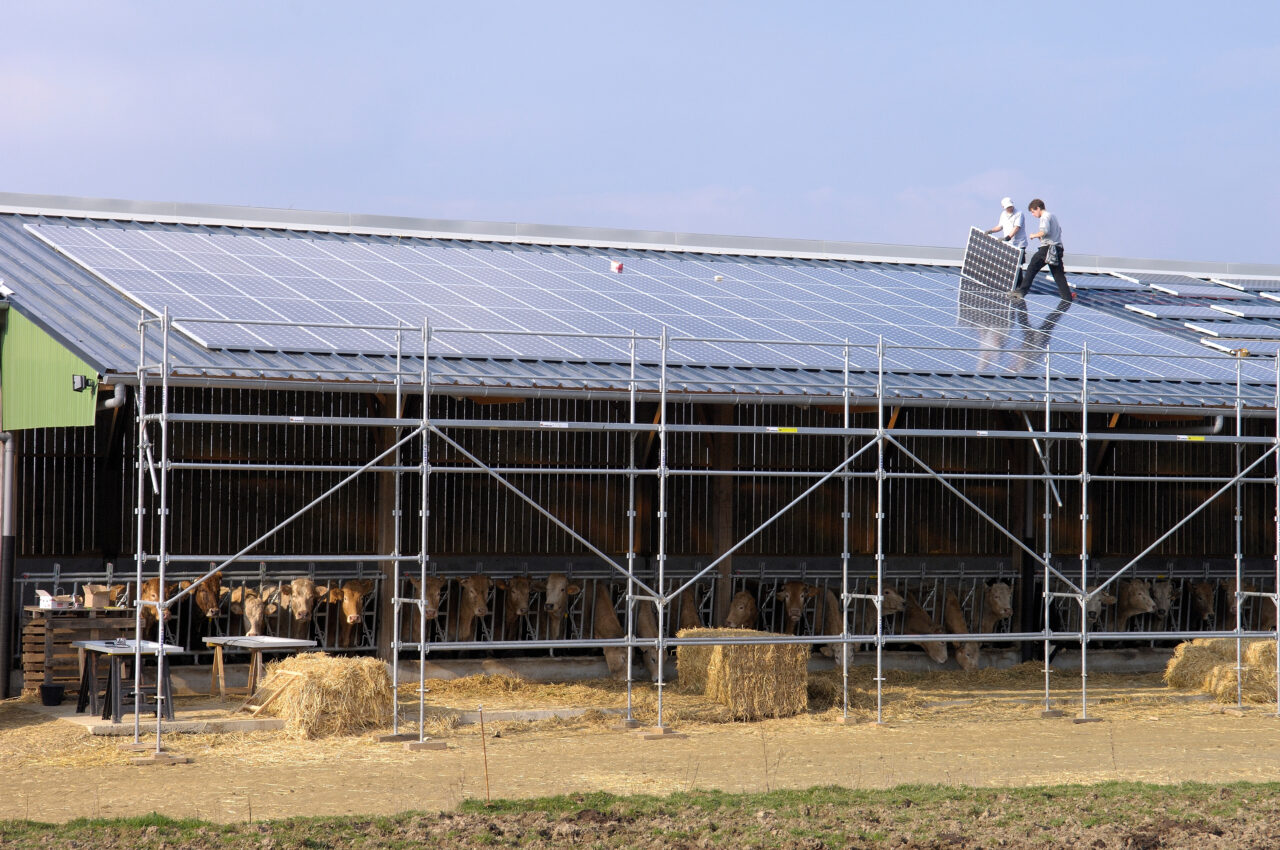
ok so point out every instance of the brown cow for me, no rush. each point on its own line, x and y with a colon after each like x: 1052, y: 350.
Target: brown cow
x: 431, y: 607
x: 473, y: 603
x: 832, y: 620
x: 515, y: 603
x: 151, y: 593
x: 689, y: 618
x: 299, y: 597
x: 207, y: 597
x: 350, y: 595
x: 1135, y: 598
x: 743, y: 611
x: 997, y: 605
x: 953, y: 618
x: 918, y: 622
x: 598, y: 613
x: 555, y: 603
x: 1202, y: 604
x: 1265, y: 609
x: 795, y: 595
x: 647, y: 627
x: 248, y: 603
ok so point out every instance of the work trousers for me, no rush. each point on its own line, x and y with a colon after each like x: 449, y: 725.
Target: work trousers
x: 1036, y: 263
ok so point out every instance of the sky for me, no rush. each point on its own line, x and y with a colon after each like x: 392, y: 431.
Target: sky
x: 1151, y: 129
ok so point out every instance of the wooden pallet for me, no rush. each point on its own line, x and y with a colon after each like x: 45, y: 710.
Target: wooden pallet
x: 265, y: 695
x: 47, y: 637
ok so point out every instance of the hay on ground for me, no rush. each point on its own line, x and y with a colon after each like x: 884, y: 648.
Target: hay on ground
x: 1257, y: 686
x: 331, y: 695
x: 759, y: 680
x: 1193, y: 662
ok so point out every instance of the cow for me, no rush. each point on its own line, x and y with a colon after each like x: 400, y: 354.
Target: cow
x: 207, y: 597
x: 516, y: 592
x: 997, y: 605
x: 918, y: 622
x: 1135, y: 598
x: 795, y: 595
x: 598, y: 614
x: 473, y: 604
x: 647, y: 627
x: 1093, y: 606
x: 431, y: 608
x: 350, y: 596
x: 249, y: 604
x: 151, y: 593
x: 555, y: 603
x: 743, y: 611
x: 299, y: 597
x: 1162, y: 594
x: 953, y: 619
x: 689, y: 618
x: 1203, y: 614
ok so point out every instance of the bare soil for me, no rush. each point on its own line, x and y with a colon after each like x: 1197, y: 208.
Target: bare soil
x: 947, y: 729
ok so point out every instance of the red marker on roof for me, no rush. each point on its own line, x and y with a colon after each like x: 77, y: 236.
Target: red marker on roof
x: 615, y: 266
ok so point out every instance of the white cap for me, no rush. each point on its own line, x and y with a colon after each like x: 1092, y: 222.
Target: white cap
x: 1006, y: 203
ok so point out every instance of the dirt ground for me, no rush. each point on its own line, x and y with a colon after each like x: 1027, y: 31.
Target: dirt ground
x: 981, y: 731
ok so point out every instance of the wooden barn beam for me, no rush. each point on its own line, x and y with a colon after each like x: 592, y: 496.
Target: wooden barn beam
x: 724, y: 491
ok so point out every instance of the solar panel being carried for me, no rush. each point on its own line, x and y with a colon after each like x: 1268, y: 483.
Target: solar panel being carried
x: 582, y: 303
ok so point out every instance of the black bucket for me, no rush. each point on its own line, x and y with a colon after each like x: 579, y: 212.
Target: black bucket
x: 52, y: 694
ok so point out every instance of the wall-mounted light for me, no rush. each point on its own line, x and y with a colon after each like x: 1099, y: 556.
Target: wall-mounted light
x: 79, y: 383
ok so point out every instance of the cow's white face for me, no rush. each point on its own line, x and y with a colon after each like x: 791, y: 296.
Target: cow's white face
x: 1136, y: 594
x: 303, y: 595
x: 999, y: 600
x: 555, y: 599
x: 893, y: 602
x: 1162, y: 596
x: 1093, y: 607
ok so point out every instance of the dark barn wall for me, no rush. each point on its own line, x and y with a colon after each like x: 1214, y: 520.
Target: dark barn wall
x: 77, y: 494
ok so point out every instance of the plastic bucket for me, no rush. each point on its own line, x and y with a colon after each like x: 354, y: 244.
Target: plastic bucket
x: 52, y: 694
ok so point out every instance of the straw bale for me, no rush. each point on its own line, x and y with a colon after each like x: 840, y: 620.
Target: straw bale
x: 1193, y: 662
x: 1258, y: 686
x: 759, y: 681
x: 692, y: 661
x: 1262, y: 655
x: 333, y: 695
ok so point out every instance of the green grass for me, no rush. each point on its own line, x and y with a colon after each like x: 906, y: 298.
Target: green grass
x: 828, y: 815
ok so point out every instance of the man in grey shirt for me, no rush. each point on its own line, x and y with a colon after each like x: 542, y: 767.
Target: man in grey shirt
x: 1048, y: 254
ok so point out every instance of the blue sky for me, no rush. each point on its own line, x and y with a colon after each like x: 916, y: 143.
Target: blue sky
x: 1152, y: 129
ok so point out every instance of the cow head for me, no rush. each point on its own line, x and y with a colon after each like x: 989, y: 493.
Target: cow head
x: 1093, y: 605
x: 474, y: 593
x: 794, y: 595
x: 207, y: 597
x: 1202, y: 603
x: 743, y: 611
x: 246, y: 602
x: 435, y: 588
x: 555, y: 602
x: 968, y: 655
x: 151, y: 593
x: 892, y: 603
x: 516, y: 596
x: 301, y: 595
x: 350, y: 595
x: 1135, y: 596
x: 918, y: 622
x: 998, y: 599
x: 1162, y: 594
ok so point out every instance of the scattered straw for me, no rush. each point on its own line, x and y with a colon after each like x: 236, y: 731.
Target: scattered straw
x: 332, y: 695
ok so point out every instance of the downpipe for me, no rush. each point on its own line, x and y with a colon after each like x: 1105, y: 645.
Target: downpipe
x: 7, y: 576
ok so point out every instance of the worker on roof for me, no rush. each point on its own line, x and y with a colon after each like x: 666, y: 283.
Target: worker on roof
x: 1048, y: 254
x: 1011, y: 224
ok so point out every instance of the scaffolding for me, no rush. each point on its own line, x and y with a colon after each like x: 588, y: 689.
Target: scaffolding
x: 1065, y: 391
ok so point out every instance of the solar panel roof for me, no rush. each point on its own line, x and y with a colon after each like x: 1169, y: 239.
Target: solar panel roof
x: 1178, y: 311
x: 1249, y: 284
x: 1200, y: 290
x: 1237, y: 330
x: 578, y: 303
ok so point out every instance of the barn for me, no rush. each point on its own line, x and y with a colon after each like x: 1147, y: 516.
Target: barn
x: 367, y: 402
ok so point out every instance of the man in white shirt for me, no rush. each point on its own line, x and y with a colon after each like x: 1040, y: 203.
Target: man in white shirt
x: 1011, y: 224
x: 1048, y: 254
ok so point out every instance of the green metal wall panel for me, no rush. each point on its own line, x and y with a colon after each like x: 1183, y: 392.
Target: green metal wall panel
x: 36, y: 382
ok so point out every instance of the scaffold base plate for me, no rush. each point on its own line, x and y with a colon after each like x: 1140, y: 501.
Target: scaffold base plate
x: 415, y: 746
x: 163, y: 758
x: 1053, y: 712
x: 1086, y: 720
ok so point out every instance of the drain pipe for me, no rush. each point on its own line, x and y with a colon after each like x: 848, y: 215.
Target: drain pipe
x: 117, y: 398
x: 7, y: 551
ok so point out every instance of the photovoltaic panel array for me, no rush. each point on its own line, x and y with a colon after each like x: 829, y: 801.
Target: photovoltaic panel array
x: 1178, y: 311
x: 1249, y: 284
x: 1201, y: 290
x: 991, y: 262
x: 580, y: 303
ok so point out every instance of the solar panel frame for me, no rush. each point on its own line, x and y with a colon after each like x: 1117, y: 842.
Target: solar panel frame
x: 1237, y: 330
x: 1178, y: 311
x: 1200, y: 291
